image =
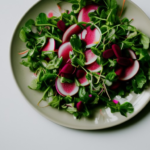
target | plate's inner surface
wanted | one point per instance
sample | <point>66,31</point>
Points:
<point>101,119</point>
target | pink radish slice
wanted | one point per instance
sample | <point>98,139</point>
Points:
<point>64,51</point>
<point>61,25</point>
<point>74,29</point>
<point>91,37</point>
<point>65,89</point>
<point>119,71</point>
<point>90,57</point>
<point>94,67</point>
<point>117,50</point>
<point>115,85</point>
<point>83,14</point>
<point>52,13</point>
<point>68,69</point>
<point>131,71</point>
<point>50,45</point>
<point>80,106</point>
<point>81,76</point>
<point>108,53</point>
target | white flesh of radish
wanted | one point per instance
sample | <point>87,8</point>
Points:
<point>63,92</point>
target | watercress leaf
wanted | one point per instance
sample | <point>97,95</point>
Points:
<point>132,35</point>
<point>68,99</point>
<point>145,41</point>
<point>140,79</point>
<point>96,51</point>
<point>126,108</point>
<point>42,19</point>
<point>56,102</point>
<point>113,63</point>
<point>23,36</point>
<point>108,83</point>
<point>48,76</point>
<point>83,95</point>
<point>71,108</point>
<point>111,76</point>
<point>65,80</point>
<point>29,24</point>
<point>35,85</point>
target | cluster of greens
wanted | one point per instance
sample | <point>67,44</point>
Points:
<point>114,31</point>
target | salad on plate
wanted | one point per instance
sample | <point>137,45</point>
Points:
<point>82,59</point>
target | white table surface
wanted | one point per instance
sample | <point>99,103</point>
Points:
<point>23,128</point>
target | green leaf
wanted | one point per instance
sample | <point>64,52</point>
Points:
<point>66,80</point>
<point>111,76</point>
<point>96,51</point>
<point>113,63</point>
<point>83,95</point>
<point>140,79</point>
<point>48,76</point>
<point>56,102</point>
<point>108,83</point>
<point>35,85</point>
<point>145,41</point>
<point>55,63</point>
<point>23,36</point>
<point>132,35</point>
<point>126,108</point>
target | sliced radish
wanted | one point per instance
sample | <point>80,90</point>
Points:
<point>50,45</point>
<point>64,51</point>
<point>65,89</point>
<point>81,76</point>
<point>94,67</point>
<point>91,37</point>
<point>90,57</point>
<point>80,36</point>
<point>68,69</point>
<point>74,29</point>
<point>61,25</point>
<point>131,71</point>
<point>108,53</point>
<point>80,106</point>
<point>83,34</point>
<point>83,14</point>
<point>52,13</point>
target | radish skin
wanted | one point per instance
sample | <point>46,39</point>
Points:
<point>50,45</point>
<point>131,71</point>
<point>74,29</point>
<point>64,51</point>
<point>90,57</point>
<point>83,14</point>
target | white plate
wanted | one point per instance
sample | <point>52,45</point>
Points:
<point>100,120</point>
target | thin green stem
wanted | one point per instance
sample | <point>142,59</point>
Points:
<point>38,25</point>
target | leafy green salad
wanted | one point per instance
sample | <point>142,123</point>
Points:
<point>84,58</point>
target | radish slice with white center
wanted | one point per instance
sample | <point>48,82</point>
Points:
<point>74,29</point>
<point>91,37</point>
<point>84,33</point>
<point>81,77</point>
<point>131,71</point>
<point>65,89</point>
<point>94,67</point>
<point>83,14</point>
<point>64,51</point>
<point>90,57</point>
<point>50,45</point>
<point>80,36</point>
